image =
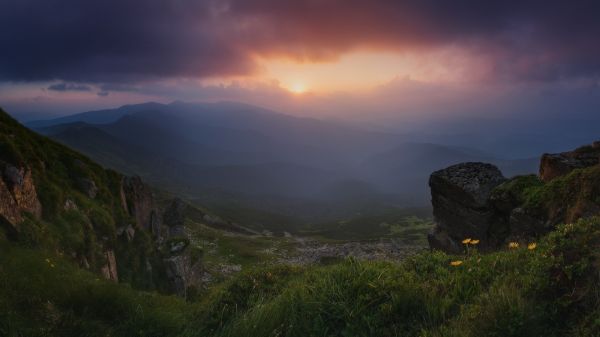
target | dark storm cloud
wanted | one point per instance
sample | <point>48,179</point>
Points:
<point>126,41</point>
<point>69,87</point>
<point>524,39</point>
<point>113,40</point>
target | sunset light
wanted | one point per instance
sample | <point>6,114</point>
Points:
<point>298,88</point>
<point>208,168</point>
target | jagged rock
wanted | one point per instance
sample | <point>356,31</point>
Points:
<point>83,262</point>
<point>70,205</point>
<point>174,217</point>
<point>182,273</point>
<point>128,231</point>
<point>560,164</point>
<point>17,194</point>
<point>13,176</point>
<point>9,210</point>
<point>175,213</point>
<point>177,247</point>
<point>137,200</point>
<point>109,270</point>
<point>88,187</point>
<point>459,195</point>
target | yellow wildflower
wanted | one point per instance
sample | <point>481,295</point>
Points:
<point>474,242</point>
<point>466,241</point>
<point>531,246</point>
<point>513,245</point>
<point>456,263</point>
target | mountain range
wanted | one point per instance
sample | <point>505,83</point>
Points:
<point>227,152</point>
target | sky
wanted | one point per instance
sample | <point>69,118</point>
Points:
<point>377,62</point>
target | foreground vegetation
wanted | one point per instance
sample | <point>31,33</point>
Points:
<point>551,288</point>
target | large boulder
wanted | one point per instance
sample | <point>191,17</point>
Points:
<point>182,272</point>
<point>459,195</point>
<point>560,164</point>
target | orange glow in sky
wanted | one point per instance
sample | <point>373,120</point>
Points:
<point>362,70</point>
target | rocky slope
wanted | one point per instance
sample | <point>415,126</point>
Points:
<point>56,199</point>
<point>474,200</point>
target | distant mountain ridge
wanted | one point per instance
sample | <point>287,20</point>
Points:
<point>215,149</point>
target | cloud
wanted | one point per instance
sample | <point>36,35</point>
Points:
<point>118,87</point>
<point>138,40</point>
<point>113,41</point>
<point>69,87</point>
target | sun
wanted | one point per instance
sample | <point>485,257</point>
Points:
<point>298,88</point>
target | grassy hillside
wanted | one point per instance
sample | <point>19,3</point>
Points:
<point>87,230</point>
<point>550,287</point>
<point>568,197</point>
<point>550,290</point>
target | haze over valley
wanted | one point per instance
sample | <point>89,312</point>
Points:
<point>269,168</point>
<point>224,154</point>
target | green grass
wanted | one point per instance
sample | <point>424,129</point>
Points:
<point>43,294</point>
<point>549,291</point>
<point>89,231</point>
<point>219,248</point>
<point>564,199</point>
<point>552,290</point>
<point>410,225</point>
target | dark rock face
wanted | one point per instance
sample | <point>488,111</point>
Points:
<point>137,199</point>
<point>182,272</point>
<point>17,194</point>
<point>109,270</point>
<point>174,217</point>
<point>523,224</point>
<point>88,187</point>
<point>560,164</point>
<point>468,201</point>
<point>459,195</point>
<point>126,231</point>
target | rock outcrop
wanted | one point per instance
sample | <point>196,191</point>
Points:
<point>459,195</point>
<point>474,200</point>
<point>17,195</point>
<point>138,201</point>
<point>108,233</point>
<point>182,272</point>
<point>88,187</point>
<point>174,217</point>
<point>109,270</point>
<point>560,164</point>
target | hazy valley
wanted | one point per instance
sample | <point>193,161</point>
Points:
<point>330,168</point>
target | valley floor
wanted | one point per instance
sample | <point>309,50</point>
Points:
<point>225,253</point>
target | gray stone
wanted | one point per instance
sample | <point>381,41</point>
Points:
<point>88,187</point>
<point>459,195</point>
